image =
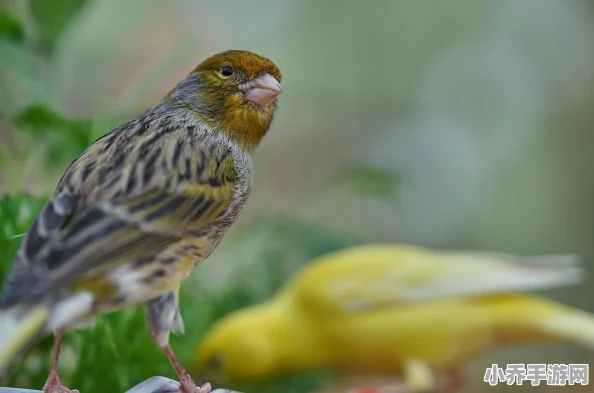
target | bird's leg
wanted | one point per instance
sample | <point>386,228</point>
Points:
<point>53,385</point>
<point>419,377</point>
<point>186,384</point>
<point>163,317</point>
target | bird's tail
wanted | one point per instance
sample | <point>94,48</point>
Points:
<point>20,326</point>
<point>523,317</point>
<point>572,325</point>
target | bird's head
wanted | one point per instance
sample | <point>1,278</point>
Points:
<point>234,92</point>
<point>239,347</point>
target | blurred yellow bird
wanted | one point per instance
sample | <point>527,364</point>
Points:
<point>396,310</point>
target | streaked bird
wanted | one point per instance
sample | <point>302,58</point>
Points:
<point>140,208</point>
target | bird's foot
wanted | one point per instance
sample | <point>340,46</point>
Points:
<point>187,385</point>
<point>53,385</point>
<point>58,389</point>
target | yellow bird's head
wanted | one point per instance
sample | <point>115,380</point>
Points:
<point>238,347</point>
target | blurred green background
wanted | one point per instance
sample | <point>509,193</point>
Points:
<point>449,124</point>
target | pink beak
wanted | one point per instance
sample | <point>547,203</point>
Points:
<point>263,90</point>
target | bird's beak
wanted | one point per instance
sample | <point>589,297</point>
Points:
<point>263,90</point>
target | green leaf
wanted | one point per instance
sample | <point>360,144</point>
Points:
<point>37,117</point>
<point>368,181</point>
<point>64,138</point>
<point>16,216</point>
<point>52,19</point>
<point>10,28</point>
<point>21,75</point>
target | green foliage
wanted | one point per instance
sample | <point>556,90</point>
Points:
<point>43,138</point>
<point>10,28</point>
<point>39,137</point>
<point>16,215</point>
<point>64,139</point>
<point>52,20</point>
<point>368,181</point>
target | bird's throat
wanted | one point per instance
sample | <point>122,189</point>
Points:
<point>245,125</point>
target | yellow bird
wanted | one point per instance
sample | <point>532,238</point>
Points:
<point>396,310</point>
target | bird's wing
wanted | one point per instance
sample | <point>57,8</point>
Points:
<point>376,276</point>
<point>136,214</point>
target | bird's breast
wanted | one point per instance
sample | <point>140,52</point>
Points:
<point>216,230</point>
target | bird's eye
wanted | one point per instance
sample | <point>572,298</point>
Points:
<point>227,71</point>
<point>214,363</point>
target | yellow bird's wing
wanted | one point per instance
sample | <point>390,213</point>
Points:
<point>375,276</point>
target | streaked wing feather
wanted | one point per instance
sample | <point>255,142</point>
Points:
<point>115,230</point>
<point>131,229</point>
<point>48,223</point>
<point>175,213</point>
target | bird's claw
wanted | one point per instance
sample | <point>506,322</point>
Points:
<point>58,389</point>
<point>53,385</point>
<point>187,385</point>
<point>206,388</point>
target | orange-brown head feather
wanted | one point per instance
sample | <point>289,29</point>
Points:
<point>234,92</point>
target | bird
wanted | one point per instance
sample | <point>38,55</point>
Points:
<point>396,310</point>
<point>139,208</point>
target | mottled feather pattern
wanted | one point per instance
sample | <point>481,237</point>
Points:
<point>157,184</point>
